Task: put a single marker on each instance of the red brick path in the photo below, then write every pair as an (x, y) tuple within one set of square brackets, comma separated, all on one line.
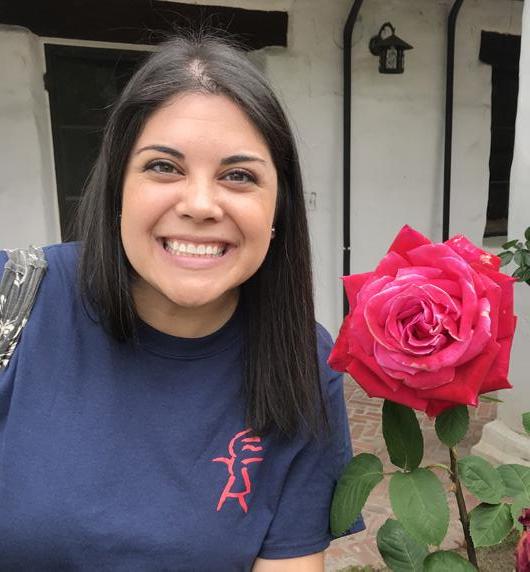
[(365, 426)]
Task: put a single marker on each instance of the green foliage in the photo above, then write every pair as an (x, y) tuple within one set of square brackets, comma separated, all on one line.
[(526, 422), (361, 475), (481, 478), (446, 561), (400, 551), (452, 425), (520, 502), (419, 502), (402, 434), (516, 479), (490, 524), (418, 498), (519, 253)]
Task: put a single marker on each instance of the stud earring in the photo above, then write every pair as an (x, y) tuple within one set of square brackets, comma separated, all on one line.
[(273, 232)]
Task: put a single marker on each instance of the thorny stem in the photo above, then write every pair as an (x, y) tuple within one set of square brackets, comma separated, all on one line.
[(462, 510)]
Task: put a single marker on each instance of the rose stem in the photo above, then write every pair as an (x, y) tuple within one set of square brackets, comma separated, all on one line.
[(462, 510)]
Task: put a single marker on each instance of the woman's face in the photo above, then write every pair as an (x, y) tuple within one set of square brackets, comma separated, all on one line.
[(199, 198)]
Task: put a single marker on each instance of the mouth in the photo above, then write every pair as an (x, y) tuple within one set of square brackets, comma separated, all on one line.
[(193, 249)]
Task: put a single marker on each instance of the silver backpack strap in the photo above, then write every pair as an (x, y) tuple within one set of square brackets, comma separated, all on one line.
[(23, 272)]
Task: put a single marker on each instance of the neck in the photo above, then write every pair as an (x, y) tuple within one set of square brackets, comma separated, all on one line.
[(182, 321)]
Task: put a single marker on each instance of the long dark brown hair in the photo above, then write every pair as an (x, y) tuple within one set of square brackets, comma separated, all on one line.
[(281, 378)]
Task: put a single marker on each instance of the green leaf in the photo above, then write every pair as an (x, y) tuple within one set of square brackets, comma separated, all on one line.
[(447, 561), (516, 479), (527, 233), (452, 425), (360, 476), (400, 551), (419, 502), (481, 478), (506, 258), (490, 399), (402, 434), (520, 502), (526, 422), (509, 244), (490, 524), (519, 245), (522, 258)]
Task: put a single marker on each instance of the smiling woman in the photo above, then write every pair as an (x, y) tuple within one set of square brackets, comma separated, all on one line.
[(199, 197), (180, 413)]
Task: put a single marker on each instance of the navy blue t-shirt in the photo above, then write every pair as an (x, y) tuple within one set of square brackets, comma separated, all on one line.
[(136, 457)]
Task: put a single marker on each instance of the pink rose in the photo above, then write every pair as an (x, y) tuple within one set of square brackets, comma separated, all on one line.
[(431, 327), (522, 552)]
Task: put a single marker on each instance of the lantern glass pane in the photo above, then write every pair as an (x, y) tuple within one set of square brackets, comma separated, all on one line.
[(392, 58)]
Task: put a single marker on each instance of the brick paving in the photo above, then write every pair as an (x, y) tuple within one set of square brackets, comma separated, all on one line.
[(365, 425)]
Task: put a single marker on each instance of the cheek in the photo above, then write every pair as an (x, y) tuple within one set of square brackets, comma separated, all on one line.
[(140, 209)]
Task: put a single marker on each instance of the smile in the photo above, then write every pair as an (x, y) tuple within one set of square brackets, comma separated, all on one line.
[(194, 249)]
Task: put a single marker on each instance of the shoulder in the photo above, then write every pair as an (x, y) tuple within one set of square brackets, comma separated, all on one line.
[(58, 270), (329, 378), (63, 255)]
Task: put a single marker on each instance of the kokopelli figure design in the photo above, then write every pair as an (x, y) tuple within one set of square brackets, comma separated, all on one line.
[(242, 449)]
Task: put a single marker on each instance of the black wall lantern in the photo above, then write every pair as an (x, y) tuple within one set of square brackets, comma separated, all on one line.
[(390, 49)]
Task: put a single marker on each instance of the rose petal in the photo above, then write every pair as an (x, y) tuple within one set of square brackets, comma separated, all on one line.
[(371, 363), (506, 324), (471, 253), (388, 360), (424, 272), (407, 239), (374, 387), (352, 285), (391, 264), (436, 406), (468, 379), (497, 377), (481, 334), (339, 357), (429, 380)]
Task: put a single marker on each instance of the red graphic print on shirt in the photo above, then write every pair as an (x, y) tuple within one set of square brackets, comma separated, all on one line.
[(241, 450)]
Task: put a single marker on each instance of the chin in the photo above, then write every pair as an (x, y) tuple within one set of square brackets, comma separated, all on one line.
[(199, 299)]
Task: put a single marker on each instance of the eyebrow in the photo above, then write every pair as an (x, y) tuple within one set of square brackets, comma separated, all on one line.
[(232, 159), (241, 159), (162, 149)]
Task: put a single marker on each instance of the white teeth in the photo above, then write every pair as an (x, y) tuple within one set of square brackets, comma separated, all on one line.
[(188, 249)]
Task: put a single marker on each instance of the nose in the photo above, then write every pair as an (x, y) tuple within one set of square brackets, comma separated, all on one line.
[(199, 200)]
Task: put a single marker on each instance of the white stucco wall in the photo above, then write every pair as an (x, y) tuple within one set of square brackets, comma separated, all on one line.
[(28, 199), (397, 147), (398, 123), (517, 401)]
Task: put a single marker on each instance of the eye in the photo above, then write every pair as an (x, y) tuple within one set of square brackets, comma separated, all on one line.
[(161, 167), (240, 176)]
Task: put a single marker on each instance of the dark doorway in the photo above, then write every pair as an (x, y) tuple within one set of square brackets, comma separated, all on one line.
[(502, 52), (82, 83)]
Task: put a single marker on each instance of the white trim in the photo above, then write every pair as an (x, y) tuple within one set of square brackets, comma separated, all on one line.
[(94, 44)]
